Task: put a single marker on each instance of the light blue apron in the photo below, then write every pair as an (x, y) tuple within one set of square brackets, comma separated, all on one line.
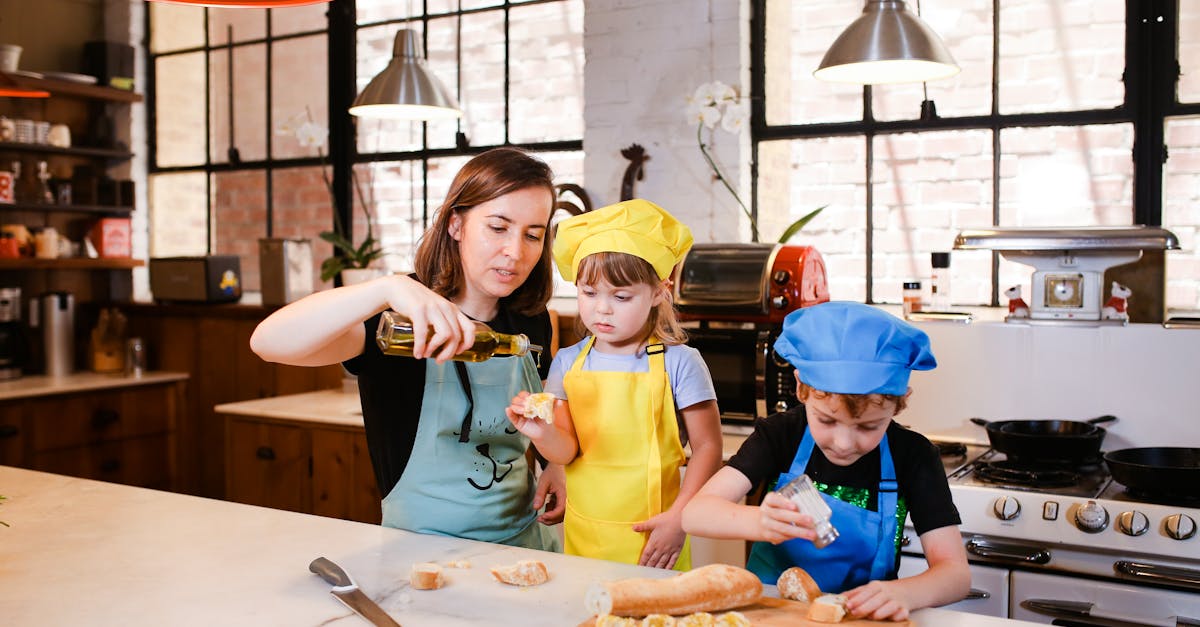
[(865, 549), (467, 476)]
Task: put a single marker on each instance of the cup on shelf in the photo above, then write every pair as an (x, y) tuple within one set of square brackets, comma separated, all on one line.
[(24, 131), (10, 57), (41, 132), (46, 243), (8, 129), (59, 135)]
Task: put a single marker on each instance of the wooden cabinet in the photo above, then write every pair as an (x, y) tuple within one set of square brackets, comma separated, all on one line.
[(301, 466), (12, 437)]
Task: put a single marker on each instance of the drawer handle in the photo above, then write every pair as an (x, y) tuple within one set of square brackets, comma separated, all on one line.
[(110, 465), (104, 417), (265, 452), (9, 431)]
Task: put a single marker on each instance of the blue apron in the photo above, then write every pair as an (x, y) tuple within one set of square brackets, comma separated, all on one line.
[(866, 546), (467, 475)]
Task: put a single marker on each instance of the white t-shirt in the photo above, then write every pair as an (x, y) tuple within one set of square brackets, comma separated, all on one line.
[(688, 374)]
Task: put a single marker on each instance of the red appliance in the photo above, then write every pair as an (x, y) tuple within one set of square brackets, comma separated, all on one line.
[(758, 283)]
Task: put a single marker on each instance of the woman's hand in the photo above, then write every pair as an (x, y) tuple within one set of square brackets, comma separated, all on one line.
[(551, 492), (665, 542), (453, 331), (878, 600), (780, 520)]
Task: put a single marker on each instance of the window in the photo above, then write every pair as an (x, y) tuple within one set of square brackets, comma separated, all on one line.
[(226, 171), (1039, 129)]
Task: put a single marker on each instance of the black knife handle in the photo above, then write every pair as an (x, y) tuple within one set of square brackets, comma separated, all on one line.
[(330, 572)]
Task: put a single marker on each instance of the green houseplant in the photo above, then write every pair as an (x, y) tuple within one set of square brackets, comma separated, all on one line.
[(714, 103)]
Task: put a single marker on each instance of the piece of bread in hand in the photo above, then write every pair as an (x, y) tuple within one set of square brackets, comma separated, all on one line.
[(426, 576), (523, 573), (797, 585), (711, 588), (540, 405), (828, 608)]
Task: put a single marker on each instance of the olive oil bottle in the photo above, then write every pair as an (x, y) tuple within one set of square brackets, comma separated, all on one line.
[(395, 337)]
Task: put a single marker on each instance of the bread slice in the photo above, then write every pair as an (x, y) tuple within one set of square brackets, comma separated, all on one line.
[(828, 608), (540, 405), (426, 576), (608, 620), (796, 584), (523, 573)]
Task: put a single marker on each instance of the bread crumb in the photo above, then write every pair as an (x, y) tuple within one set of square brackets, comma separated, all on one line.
[(523, 573), (458, 564)]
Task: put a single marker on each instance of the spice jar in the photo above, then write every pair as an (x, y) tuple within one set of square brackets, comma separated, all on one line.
[(912, 297)]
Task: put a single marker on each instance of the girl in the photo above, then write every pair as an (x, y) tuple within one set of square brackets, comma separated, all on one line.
[(617, 425)]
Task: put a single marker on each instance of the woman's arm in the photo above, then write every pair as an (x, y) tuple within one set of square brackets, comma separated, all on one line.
[(947, 580), (327, 327)]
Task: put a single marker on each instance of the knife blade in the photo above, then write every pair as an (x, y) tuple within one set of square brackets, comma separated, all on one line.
[(346, 591), (1084, 608)]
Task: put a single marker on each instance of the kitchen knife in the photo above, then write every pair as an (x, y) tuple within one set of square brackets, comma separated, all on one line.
[(1082, 608), (348, 593)]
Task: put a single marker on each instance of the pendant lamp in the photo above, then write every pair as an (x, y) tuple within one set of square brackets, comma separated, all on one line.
[(244, 4), (406, 89), (886, 44)]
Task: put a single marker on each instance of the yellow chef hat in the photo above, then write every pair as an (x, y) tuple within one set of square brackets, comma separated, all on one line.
[(637, 227)]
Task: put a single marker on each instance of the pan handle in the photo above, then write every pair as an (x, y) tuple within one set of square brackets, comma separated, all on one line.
[(1104, 418), (979, 421)]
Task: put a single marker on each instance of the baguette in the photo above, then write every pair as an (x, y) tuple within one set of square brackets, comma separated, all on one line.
[(523, 573), (828, 608), (426, 576), (709, 588), (540, 405), (797, 585)]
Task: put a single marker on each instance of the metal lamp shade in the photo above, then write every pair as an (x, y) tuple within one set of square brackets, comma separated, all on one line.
[(245, 4), (886, 44), (406, 89)]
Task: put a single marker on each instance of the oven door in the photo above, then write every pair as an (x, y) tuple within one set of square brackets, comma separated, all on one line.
[(1058, 599), (989, 586), (736, 360)]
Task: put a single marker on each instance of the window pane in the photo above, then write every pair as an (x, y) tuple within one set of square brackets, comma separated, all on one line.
[(798, 33), (1181, 212), (299, 91), (178, 215), (798, 176), (1066, 176), (1189, 52), (477, 4), (567, 167), (483, 78), (444, 66), (245, 24), (239, 219), (299, 19), (177, 110), (371, 11), (928, 187), (249, 103), (175, 26), (546, 72), (301, 208), (394, 191), (1057, 56), (966, 28), (373, 51)]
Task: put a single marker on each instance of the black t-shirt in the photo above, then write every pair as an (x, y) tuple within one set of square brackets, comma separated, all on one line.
[(772, 446), (391, 389)]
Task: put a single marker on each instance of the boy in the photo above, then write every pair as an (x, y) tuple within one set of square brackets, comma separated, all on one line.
[(852, 367)]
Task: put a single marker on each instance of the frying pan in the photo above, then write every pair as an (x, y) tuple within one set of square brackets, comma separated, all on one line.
[(1047, 440), (1157, 471)]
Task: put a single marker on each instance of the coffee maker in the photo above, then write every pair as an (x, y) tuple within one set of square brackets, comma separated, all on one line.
[(14, 343)]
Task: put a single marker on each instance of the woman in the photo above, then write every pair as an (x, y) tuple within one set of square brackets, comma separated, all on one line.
[(444, 453)]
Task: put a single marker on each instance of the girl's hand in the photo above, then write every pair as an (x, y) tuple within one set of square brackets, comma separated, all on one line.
[(453, 331), (532, 427), (877, 600), (665, 541), (780, 520), (551, 492)]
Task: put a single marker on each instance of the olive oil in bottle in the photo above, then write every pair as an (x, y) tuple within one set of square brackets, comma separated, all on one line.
[(395, 337)]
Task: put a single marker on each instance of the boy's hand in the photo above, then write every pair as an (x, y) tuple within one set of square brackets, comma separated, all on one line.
[(532, 427), (780, 520), (878, 600), (665, 542)]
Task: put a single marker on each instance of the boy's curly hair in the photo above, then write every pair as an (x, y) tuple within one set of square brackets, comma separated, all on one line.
[(856, 404)]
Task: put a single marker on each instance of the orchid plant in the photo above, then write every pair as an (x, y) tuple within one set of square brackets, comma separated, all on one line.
[(717, 103), (309, 134)]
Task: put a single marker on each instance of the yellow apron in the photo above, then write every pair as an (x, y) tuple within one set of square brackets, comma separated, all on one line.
[(629, 458)]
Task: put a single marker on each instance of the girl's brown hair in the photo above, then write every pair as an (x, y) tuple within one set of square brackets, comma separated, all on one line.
[(623, 270), (856, 404), (488, 176)]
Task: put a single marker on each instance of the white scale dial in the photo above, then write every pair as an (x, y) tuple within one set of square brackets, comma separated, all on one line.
[(1091, 517)]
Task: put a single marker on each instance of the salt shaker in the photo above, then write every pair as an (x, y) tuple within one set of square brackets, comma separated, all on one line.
[(804, 494), (135, 357)]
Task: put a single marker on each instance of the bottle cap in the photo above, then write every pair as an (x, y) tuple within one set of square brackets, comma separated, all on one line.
[(912, 285), (940, 260)]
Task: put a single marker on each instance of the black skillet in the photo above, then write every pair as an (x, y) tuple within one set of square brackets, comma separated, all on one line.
[(1157, 471), (1041, 441)]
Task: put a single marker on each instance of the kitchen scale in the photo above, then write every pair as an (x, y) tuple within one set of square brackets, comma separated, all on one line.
[(1069, 264)]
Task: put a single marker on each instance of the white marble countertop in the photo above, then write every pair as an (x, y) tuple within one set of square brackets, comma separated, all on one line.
[(82, 552), (40, 385)]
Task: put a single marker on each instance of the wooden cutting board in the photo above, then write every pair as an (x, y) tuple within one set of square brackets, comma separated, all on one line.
[(772, 612)]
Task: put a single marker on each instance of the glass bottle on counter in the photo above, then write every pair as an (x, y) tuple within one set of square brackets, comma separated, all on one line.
[(395, 337), (912, 297), (804, 494), (939, 295)]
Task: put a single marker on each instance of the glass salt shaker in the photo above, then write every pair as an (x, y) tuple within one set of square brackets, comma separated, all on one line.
[(804, 494)]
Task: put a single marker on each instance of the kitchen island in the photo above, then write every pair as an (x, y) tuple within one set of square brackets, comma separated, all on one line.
[(82, 552)]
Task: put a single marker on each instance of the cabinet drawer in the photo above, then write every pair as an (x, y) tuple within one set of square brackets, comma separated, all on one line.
[(76, 420), (12, 439), (267, 465), (142, 462)]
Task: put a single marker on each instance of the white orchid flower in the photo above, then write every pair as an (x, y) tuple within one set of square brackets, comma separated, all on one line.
[(311, 135), (710, 115), (290, 125), (723, 93), (708, 93), (735, 117)]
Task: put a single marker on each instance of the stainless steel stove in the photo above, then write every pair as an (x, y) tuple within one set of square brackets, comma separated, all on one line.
[(1068, 545)]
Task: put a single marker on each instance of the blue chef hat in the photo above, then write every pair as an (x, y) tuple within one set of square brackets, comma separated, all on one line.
[(851, 348)]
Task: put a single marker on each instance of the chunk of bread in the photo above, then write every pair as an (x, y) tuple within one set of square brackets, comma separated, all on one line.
[(711, 588), (828, 608), (697, 619), (659, 620), (797, 585), (608, 620), (732, 619), (540, 405), (523, 573), (426, 576)]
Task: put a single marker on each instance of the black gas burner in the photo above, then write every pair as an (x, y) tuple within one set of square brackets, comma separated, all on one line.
[(951, 449), (1010, 473)]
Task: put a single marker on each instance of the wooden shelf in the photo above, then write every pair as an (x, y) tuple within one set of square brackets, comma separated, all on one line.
[(68, 88), (100, 209), (76, 151), (72, 263)]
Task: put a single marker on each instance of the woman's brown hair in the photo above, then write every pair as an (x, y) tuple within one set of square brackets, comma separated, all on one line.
[(488, 176), (622, 270)]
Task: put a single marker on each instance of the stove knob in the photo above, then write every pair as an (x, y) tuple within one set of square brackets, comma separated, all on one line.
[(1091, 517), (1133, 523), (1006, 508), (780, 302), (1180, 526), (781, 277)]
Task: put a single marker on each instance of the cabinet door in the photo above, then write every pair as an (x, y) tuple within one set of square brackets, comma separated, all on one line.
[(142, 462), (267, 465), (95, 417), (343, 482), (12, 440)]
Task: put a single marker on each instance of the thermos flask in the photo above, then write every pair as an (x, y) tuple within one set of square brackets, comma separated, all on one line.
[(57, 317)]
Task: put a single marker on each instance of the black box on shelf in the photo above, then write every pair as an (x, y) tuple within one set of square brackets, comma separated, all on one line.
[(110, 62), (207, 279)]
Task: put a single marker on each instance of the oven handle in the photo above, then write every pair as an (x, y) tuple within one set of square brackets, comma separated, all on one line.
[(1158, 574), (984, 548), (976, 594)]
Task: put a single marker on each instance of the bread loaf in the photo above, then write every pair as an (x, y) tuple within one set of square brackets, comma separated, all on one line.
[(709, 588), (523, 573), (796, 584), (426, 576), (828, 608), (540, 405)]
